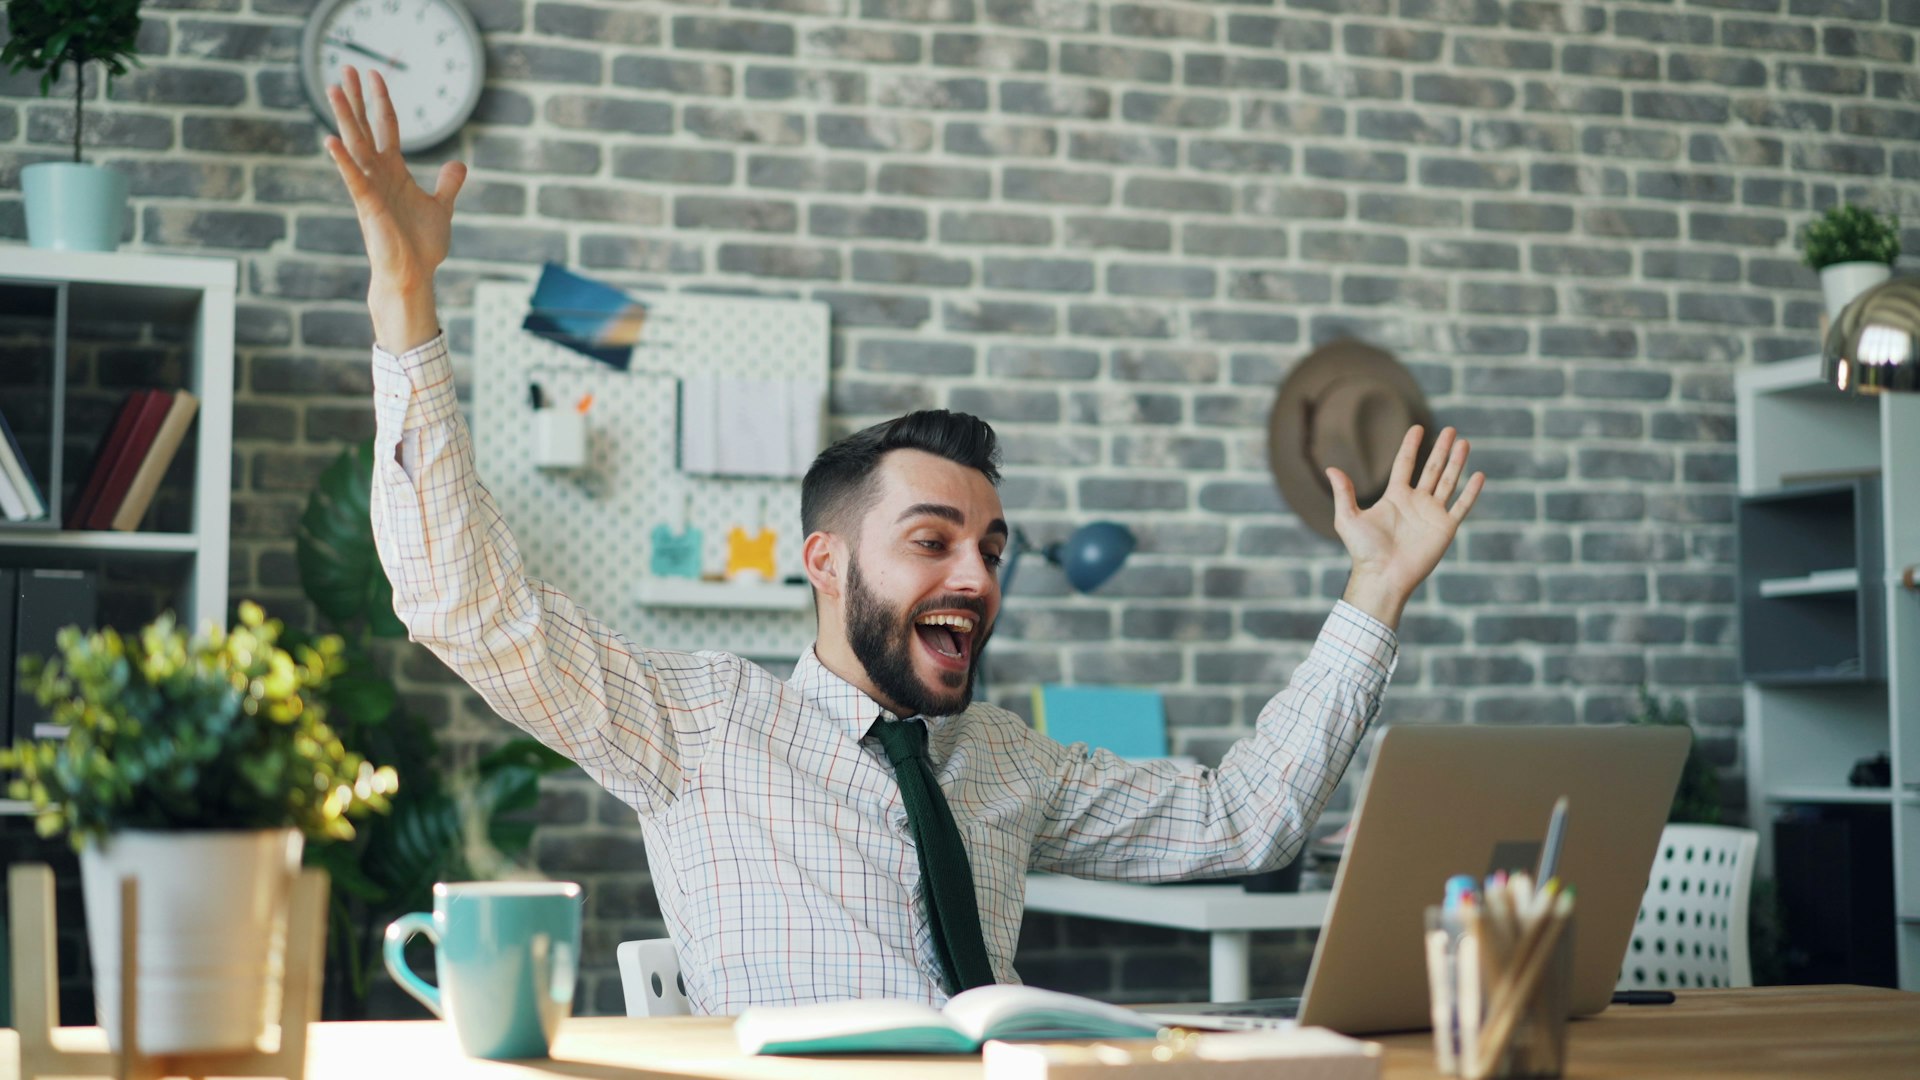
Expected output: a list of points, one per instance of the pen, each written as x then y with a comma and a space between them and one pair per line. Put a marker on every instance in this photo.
1643, 997
1556, 834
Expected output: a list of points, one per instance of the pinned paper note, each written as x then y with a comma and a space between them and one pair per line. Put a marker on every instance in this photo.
675, 554
590, 317
749, 555
750, 427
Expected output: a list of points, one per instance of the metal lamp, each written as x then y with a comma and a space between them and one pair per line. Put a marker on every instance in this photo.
1874, 346
1092, 554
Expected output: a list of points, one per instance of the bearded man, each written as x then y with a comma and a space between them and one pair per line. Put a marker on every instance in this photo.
862, 829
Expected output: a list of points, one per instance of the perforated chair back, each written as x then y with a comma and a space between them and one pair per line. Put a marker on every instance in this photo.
650, 978
1692, 926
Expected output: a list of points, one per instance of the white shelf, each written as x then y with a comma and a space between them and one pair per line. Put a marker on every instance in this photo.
159, 543
1818, 583
734, 596
144, 270
1183, 907
1853, 795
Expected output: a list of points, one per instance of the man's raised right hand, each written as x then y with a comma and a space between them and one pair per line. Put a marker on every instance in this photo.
406, 230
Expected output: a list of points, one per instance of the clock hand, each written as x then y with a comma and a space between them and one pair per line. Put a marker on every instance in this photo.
393, 62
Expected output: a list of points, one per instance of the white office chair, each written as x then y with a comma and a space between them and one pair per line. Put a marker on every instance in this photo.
650, 978
1692, 926
650, 968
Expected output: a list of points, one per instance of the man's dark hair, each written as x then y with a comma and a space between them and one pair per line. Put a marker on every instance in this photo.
843, 473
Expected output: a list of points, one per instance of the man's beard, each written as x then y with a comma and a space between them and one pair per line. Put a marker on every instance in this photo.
883, 640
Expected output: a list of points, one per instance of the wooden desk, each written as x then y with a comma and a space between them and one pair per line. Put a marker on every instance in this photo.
1860, 1033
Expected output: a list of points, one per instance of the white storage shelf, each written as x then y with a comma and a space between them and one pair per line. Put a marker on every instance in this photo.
193, 293
1800, 443
723, 595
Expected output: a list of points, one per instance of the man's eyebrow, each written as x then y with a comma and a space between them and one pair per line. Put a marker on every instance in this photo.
948, 513
927, 509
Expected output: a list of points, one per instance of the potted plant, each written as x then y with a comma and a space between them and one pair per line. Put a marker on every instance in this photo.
1853, 248
444, 824
72, 205
196, 766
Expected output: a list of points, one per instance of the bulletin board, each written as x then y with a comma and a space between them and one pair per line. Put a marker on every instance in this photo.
588, 533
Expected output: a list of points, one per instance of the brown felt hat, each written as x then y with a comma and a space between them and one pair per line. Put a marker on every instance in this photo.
1348, 405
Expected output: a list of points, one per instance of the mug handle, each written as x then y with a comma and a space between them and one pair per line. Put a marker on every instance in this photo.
394, 949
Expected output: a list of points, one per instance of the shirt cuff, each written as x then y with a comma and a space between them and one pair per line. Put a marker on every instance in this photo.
1355, 643
414, 389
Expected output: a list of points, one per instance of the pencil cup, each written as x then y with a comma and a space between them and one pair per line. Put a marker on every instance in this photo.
1498, 1012
559, 439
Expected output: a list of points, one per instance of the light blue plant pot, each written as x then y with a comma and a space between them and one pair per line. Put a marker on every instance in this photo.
74, 207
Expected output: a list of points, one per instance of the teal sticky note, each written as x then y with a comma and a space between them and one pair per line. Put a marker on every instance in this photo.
1129, 722
675, 554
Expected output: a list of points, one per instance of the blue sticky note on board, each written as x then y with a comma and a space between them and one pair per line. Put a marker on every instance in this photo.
1131, 723
590, 317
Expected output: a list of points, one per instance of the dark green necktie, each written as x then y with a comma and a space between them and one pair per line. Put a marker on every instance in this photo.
945, 873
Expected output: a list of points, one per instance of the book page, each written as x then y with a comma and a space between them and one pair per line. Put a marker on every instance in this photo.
847, 1026
1025, 1012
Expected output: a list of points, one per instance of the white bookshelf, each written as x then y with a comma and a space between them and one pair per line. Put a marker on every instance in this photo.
1803, 734
193, 294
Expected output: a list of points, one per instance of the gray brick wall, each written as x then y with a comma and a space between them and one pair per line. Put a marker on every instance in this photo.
1111, 228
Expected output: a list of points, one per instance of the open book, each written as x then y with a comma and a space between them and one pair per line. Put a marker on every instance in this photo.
1013, 1013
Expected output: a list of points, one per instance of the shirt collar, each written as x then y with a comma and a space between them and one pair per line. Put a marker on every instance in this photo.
853, 710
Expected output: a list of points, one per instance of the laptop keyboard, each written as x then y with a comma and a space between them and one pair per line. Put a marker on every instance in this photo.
1284, 1008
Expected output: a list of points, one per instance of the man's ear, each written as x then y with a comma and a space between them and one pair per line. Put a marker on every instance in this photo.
826, 562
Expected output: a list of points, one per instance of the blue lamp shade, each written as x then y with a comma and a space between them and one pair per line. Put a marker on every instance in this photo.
1094, 553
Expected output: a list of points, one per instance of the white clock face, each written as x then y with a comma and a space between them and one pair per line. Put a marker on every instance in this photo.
428, 51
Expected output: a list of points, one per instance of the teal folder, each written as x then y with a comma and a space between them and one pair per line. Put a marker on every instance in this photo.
1129, 722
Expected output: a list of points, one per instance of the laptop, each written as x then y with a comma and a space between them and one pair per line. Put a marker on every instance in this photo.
1439, 801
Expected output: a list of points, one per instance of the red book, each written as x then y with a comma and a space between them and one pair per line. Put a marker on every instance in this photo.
103, 458
146, 424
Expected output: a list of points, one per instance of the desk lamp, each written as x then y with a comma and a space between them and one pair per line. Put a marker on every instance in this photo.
1874, 348
1092, 554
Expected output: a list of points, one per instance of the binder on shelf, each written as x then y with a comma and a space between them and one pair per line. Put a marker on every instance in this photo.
14, 464
146, 479
44, 601
140, 436
103, 455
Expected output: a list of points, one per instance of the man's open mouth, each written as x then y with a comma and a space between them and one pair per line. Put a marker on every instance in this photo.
948, 637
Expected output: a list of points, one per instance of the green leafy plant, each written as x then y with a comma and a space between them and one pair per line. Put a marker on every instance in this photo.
443, 826
1697, 801
224, 730
46, 35
1848, 233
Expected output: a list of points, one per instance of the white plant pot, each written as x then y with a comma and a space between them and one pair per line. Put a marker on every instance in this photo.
1841, 282
212, 933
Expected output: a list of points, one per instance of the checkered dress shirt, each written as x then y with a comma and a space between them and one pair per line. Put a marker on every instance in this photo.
790, 871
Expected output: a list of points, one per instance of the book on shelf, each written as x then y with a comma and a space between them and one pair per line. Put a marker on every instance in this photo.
13, 464
970, 1018
126, 461
103, 455
44, 600
146, 479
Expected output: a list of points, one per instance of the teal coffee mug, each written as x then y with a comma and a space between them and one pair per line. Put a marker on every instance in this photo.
507, 955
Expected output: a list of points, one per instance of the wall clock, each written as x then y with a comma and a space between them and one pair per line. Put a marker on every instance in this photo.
428, 51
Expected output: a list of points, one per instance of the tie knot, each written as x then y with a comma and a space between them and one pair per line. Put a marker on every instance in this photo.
903, 740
